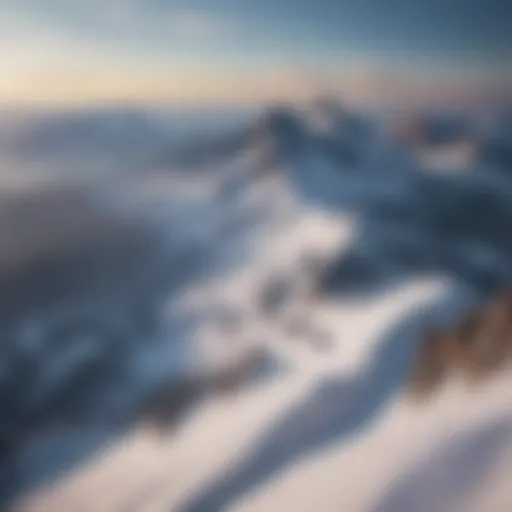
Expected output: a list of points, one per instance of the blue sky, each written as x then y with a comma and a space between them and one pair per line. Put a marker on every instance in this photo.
164, 37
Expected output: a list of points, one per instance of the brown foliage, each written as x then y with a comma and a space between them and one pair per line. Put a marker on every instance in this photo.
476, 347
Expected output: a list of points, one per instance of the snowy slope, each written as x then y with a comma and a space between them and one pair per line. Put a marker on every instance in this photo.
325, 246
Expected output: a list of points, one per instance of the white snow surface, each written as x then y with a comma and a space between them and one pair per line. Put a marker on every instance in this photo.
333, 430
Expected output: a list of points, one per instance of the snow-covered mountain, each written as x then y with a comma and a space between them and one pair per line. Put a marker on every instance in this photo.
295, 240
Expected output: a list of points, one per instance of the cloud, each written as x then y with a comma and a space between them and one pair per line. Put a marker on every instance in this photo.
162, 22
116, 34
122, 29
27, 44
